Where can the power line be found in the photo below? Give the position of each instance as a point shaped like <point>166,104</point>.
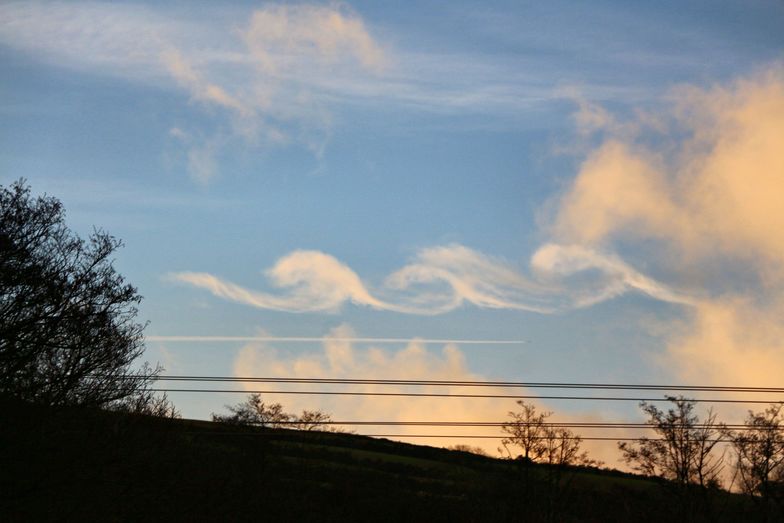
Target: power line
<point>584,425</point>
<point>456,395</point>
<point>466,383</point>
<point>462,436</point>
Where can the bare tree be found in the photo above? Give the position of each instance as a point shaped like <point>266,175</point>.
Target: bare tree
<point>253,411</point>
<point>684,450</point>
<point>312,420</point>
<point>68,329</point>
<point>527,430</point>
<point>563,447</point>
<point>541,441</point>
<point>548,443</point>
<point>759,451</point>
<point>146,402</point>
<point>479,451</point>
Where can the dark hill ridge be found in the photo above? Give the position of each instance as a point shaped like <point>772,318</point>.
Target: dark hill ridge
<point>72,464</point>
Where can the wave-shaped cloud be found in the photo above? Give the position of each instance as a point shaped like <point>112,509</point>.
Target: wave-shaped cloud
<point>439,280</point>
<point>615,277</point>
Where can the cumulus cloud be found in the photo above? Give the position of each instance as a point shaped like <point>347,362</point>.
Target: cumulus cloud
<point>441,279</point>
<point>341,359</point>
<point>700,193</point>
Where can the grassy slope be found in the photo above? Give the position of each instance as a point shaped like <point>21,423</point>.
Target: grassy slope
<point>74,464</point>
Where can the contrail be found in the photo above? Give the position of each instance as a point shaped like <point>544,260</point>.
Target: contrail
<point>297,339</point>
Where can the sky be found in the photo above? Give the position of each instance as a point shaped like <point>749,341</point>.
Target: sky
<point>591,192</point>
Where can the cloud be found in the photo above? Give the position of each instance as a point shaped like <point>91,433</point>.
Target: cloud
<point>470,276</point>
<point>441,279</point>
<point>716,190</point>
<point>183,72</point>
<point>731,341</point>
<point>260,78</point>
<point>282,39</point>
<point>276,75</point>
<point>615,276</point>
<point>121,40</point>
<point>699,195</point>
<point>318,282</point>
<point>340,358</point>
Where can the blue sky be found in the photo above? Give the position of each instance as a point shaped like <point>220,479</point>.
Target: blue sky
<point>468,170</point>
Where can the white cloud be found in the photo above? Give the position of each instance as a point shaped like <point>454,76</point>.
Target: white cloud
<point>439,280</point>
<point>615,276</point>
<point>318,282</point>
<point>472,278</point>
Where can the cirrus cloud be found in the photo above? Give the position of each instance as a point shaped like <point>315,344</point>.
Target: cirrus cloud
<point>259,77</point>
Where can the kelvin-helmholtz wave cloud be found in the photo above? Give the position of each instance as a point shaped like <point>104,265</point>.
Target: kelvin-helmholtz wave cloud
<point>439,280</point>
<point>693,193</point>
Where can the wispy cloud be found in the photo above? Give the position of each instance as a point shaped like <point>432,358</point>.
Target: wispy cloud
<point>318,282</point>
<point>439,280</point>
<point>261,73</point>
<point>615,277</point>
<point>275,75</point>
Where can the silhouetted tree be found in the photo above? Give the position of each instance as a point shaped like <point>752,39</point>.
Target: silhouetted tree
<point>146,402</point>
<point>684,451</point>
<point>253,411</point>
<point>479,451</point>
<point>545,443</point>
<point>540,441</point>
<point>312,420</point>
<point>759,452</point>
<point>527,431</point>
<point>68,329</point>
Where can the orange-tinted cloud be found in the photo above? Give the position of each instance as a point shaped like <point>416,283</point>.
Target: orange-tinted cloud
<point>705,185</point>
<point>341,359</point>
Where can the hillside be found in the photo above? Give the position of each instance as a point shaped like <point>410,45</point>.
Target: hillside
<point>86,465</point>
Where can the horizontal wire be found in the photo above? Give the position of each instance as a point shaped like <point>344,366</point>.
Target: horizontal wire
<point>295,433</point>
<point>462,383</point>
<point>454,395</point>
<point>584,425</point>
